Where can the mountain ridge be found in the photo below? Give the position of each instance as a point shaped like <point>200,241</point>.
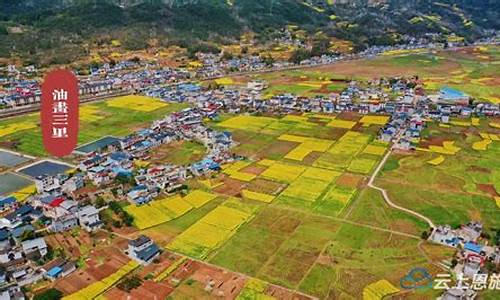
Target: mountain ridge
<point>43,25</point>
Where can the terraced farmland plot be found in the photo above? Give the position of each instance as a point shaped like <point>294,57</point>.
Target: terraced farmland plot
<point>163,210</point>
<point>213,229</point>
<point>135,102</point>
<point>257,196</point>
<point>306,189</point>
<point>306,146</point>
<point>363,165</point>
<point>250,123</point>
<point>233,170</point>
<point>335,200</point>
<point>343,151</point>
<point>283,172</point>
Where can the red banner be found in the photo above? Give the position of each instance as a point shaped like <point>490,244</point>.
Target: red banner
<point>59,113</point>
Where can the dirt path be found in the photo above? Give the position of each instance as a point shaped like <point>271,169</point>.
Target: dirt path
<point>386,196</point>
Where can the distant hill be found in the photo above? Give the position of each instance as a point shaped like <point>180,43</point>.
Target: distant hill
<point>66,29</point>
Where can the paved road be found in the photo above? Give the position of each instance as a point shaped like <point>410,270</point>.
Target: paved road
<point>386,196</point>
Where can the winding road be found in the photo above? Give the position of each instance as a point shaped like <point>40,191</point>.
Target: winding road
<point>386,196</point>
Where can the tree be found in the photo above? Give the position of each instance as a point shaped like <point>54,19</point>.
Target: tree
<point>50,294</point>
<point>300,55</point>
<point>425,235</point>
<point>454,262</point>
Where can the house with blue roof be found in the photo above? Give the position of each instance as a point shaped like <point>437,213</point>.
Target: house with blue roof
<point>143,250</point>
<point>7,203</point>
<point>472,247</point>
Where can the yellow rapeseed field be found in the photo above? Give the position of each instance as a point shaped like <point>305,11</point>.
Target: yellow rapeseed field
<point>375,150</point>
<point>90,113</point>
<point>307,145</point>
<point>379,290</point>
<point>321,174</point>
<point>135,102</point>
<point>305,189</point>
<point>341,124</point>
<point>198,198</point>
<point>257,196</point>
<point>481,145</point>
<point>210,231</point>
<point>24,193</point>
<point>163,210</point>
<point>436,161</point>
<point>374,120</point>
<point>283,172</point>
<point>224,81</point>
<point>244,122</point>
<point>15,127</point>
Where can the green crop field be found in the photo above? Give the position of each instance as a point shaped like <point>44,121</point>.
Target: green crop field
<point>462,188</point>
<point>96,120</point>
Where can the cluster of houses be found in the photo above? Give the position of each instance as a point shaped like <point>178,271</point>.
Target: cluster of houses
<point>473,251</point>
<point>24,253</point>
<point>102,167</point>
<point>18,87</point>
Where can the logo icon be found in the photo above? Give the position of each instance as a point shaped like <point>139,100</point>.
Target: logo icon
<point>59,113</point>
<point>417,278</point>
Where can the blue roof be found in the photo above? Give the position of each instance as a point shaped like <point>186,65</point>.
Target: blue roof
<point>7,201</point>
<point>54,271</point>
<point>452,93</point>
<point>139,188</point>
<point>18,231</point>
<point>118,156</point>
<point>148,253</point>
<point>23,210</point>
<point>4,234</point>
<point>472,247</point>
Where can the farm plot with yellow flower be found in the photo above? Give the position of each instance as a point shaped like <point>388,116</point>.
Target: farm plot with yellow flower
<point>307,145</point>
<point>306,189</point>
<point>90,113</point>
<point>375,150</point>
<point>163,210</point>
<point>257,196</point>
<point>337,123</point>
<point>97,288</point>
<point>213,229</point>
<point>436,161</point>
<point>283,172</point>
<point>448,148</point>
<point>343,151</point>
<point>24,193</point>
<point>362,165</point>
<point>250,123</point>
<point>309,186</point>
<point>135,102</point>
<point>481,145</point>
<point>233,170</point>
<point>379,290</point>
<point>16,127</point>
<point>335,200</point>
<point>374,120</point>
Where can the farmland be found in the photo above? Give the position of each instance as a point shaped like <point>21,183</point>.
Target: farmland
<point>473,70</point>
<point>115,117</point>
<point>461,180</point>
<point>289,219</point>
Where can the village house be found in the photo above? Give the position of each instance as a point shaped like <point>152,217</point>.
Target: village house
<point>35,248</point>
<point>48,184</point>
<point>143,250</point>
<point>88,218</point>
